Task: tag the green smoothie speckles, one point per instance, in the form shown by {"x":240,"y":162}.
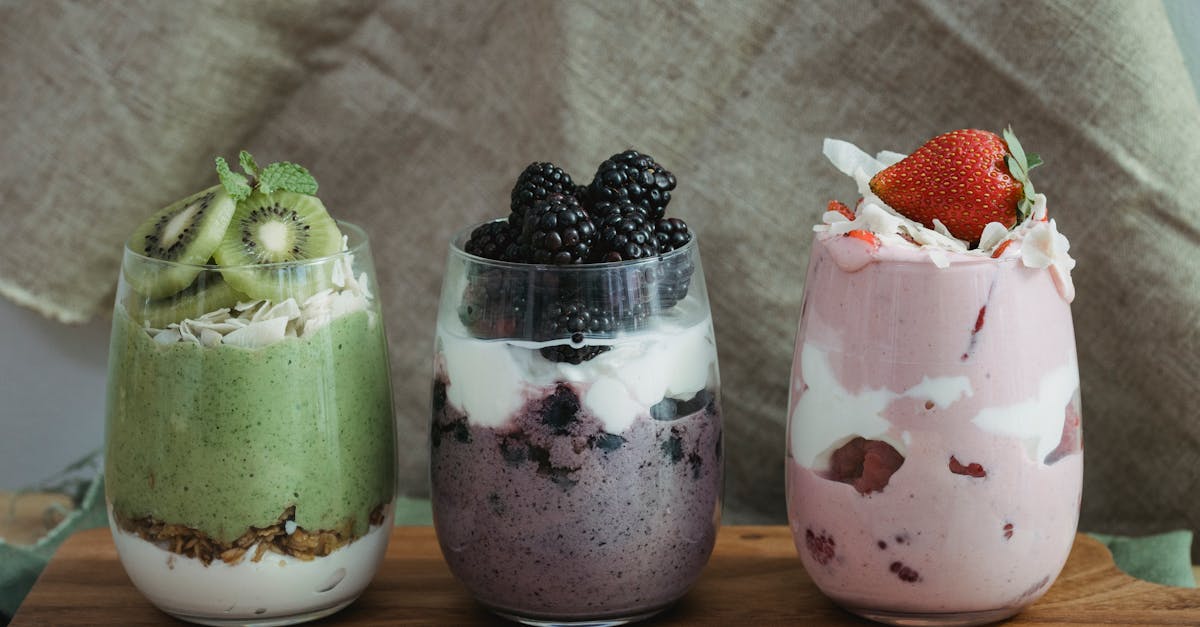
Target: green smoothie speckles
{"x":223,"y":438}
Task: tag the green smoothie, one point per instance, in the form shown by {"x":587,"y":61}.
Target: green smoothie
{"x":223,"y":438}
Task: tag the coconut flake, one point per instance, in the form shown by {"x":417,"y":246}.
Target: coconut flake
{"x":209,"y":337}
{"x":992,"y":235}
{"x":258,"y":334}
{"x":168,"y":335}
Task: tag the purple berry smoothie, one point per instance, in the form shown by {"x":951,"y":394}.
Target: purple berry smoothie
{"x":551,"y":516}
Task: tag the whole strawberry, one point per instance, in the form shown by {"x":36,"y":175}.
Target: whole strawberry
{"x":965,"y":179}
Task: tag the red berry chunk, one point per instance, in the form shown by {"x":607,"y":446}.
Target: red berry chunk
{"x":867,"y":465}
{"x":865,"y":236}
{"x":840,"y":207}
{"x":904,"y":572}
{"x":1072,"y":440}
{"x":972,"y":469}
{"x":822,"y":547}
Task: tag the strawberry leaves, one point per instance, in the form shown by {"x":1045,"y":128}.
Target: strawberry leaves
{"x":1019,"y":164}
{"x":280,"y":176}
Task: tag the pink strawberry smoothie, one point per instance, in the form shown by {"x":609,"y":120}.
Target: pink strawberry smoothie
{"x":934,"y":462}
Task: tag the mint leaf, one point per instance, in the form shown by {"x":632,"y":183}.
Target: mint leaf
{"x":236,"y":184}
{"x":287,"y":177}
{"x":248,"y":164}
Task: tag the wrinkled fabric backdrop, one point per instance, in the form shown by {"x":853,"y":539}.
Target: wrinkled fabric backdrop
{"x":416,"y":118}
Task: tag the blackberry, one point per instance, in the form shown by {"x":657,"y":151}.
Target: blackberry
{"x":635,"y":177}
{"x":493,"y":304}
{"x":622,"y":232}
{"x":673,"y":287}
{"x":574,"y":318}
{"x":494,"y":240}
{"x":671,"y":233}
{"x":536,"y":183}
{"x":558,"y":231}
{"x":570,"y":355}
{"x":672,"y":278}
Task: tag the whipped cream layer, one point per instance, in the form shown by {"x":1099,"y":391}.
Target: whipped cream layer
{"x":1035,"y":241}
{"x":490,"y":380}
{"x":258,"y":323}
{"x":275,"y":587}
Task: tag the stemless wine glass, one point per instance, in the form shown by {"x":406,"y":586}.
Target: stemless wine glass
{"x":934,"y":462}
{"x":250,"y":444}
{"x":576,"y":439}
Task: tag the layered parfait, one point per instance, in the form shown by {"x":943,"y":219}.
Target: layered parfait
{"x":250,"y":451}
{"x":576,"y":433}
{"x":934,"y":459}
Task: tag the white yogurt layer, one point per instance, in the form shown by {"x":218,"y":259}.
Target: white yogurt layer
{"x":490,"y":380}
{"x":276,"y":586}
{"x":827,"y":415}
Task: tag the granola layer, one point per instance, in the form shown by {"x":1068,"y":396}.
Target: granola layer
{"x":283,"y":537}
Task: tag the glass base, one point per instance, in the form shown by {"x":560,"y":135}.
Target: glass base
{"x":934,"y":619}
{"x":575,"y":622}
{"x":273,"y":621}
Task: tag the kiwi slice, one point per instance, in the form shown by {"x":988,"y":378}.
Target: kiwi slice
{"x":209,"y":292}
{"x":278,"y":228}
{"x":188,"y":232}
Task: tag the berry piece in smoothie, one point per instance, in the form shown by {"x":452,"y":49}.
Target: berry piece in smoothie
{"x":987,"y":177}
{"x":865,"y":464}
{"x":822,"y":546}
{"x":971,"y":470}
{"x":1071,"y":442}
{"x":905,"y":573}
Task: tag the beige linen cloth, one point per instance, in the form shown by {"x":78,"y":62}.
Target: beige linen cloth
{"x":416,"y":117}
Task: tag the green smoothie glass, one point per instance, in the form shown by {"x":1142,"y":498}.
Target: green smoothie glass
{"x":250,"y":445}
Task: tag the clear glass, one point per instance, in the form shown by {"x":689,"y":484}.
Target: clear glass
{"x":934,"y":461}
{"x":576,"y":465}
{"x":250,"y":447}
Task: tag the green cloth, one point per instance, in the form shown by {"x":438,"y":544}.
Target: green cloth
{"x":1161,"y":558}
{"x":21,"y":565}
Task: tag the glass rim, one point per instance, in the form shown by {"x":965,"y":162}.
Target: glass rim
{"x":356,"y":242}
{"x":460,"y":237}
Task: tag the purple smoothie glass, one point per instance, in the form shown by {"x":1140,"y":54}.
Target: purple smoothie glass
{"x":576,"y":438}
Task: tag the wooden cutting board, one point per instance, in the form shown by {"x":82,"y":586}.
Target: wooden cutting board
{"x":754,"y":578}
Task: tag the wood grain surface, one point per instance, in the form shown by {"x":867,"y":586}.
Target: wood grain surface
{"x":754,"y":577}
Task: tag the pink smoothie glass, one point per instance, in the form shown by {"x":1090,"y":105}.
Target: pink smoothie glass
{"x":934,"y":457}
